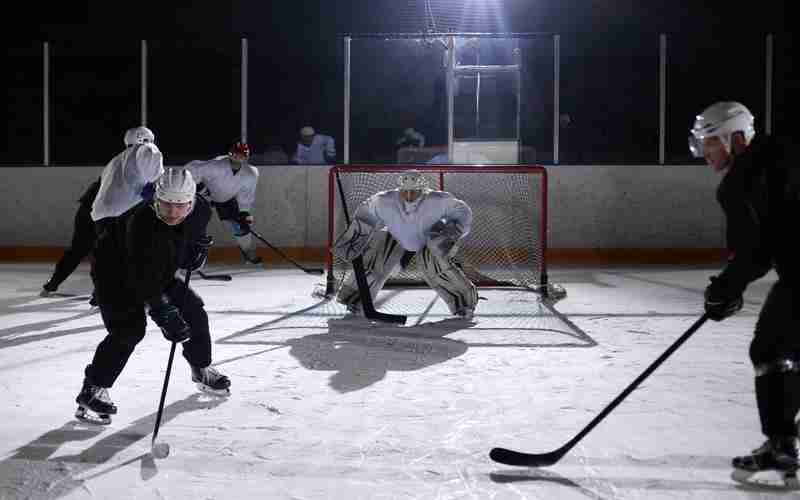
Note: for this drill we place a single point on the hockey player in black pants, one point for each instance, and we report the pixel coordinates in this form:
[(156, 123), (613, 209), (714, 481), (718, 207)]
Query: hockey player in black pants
[(83, 239), (760, 196), (136, 259)]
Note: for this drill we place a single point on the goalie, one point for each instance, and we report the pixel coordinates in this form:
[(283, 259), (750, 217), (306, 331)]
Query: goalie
[(391, 227)]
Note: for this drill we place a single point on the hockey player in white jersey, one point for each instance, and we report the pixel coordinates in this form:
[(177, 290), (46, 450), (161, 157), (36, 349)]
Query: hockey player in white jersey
[(229, 182), (391, 226), (129, 177)]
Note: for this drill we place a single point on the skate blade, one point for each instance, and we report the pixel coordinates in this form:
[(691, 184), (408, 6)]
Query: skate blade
[(88, 416), (220, 393), (771, 479)]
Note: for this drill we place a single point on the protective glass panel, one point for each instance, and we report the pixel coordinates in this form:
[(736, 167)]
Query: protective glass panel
[(95, 98), (502, 99), (22, 140), (194, 96)]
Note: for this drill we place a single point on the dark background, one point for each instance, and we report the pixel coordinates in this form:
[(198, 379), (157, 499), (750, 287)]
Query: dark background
[(609, 72)]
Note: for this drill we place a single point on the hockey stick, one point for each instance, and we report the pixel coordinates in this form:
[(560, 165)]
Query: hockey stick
[(308, 270), (361, 277), (161, 450), (215, 277), (511, 457)]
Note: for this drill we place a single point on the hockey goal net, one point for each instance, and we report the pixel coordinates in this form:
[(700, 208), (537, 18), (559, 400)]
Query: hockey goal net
[(507, 245)]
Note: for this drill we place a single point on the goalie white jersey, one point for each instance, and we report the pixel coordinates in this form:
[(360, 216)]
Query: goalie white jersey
[(124, 178), (223, 183), (412, 229)]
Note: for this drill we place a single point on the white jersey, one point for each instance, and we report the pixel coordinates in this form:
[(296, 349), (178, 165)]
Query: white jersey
[(411, 230), (322, 147), (224, 183), (124, 178)]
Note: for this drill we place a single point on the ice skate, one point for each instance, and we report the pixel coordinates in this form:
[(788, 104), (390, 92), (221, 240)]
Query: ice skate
[(47, 290), (774, 464), (251, 257), (210, 381), (94, 405)]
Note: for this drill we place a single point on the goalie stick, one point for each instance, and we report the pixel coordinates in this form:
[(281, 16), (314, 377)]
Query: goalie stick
[(309, 270), (361, 277), (511, 457), (215, 277)]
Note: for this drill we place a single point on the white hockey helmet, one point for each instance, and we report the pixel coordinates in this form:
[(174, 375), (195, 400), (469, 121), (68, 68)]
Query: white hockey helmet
[(139, 135), (176, 186), (412, 180), (412, 186), (721, 120), (307, 131)]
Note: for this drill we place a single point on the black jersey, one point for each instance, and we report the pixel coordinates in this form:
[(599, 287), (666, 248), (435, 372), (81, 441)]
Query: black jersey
[(760, 214), (137, 257)]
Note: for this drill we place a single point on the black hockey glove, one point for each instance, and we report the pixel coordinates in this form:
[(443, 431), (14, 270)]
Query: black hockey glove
[(198, 254), (244, 219), (720, 301), (169, 319)]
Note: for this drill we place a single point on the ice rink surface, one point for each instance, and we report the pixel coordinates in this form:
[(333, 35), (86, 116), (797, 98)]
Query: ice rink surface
[(325, 406)]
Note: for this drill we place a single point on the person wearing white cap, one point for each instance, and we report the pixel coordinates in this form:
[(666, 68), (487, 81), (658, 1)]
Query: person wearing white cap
[(314, 148), (411, 139)]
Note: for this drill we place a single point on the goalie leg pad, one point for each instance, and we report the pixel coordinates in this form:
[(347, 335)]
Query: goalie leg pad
[(447, 278), (441, 246), (381, 259), (354, 241)]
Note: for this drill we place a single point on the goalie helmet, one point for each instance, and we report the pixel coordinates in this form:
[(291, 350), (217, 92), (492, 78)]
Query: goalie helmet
[(175, 194), (139, 135), (721, 120), (412, 186), (413, 180)]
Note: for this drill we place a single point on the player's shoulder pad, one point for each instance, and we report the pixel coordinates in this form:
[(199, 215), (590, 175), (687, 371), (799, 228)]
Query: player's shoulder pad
[(439, 195)]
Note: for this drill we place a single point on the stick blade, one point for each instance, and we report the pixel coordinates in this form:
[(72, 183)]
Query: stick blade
[(394, 319), (511, 457), (314, 271)]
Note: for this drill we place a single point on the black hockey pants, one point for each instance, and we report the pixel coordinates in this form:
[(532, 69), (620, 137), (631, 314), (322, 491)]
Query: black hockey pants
[(775, 353), (83, 239), (126, 325)]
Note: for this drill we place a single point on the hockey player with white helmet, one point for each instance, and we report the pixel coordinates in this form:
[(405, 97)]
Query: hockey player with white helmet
[(712, 134), (126, 179), (229, 182), (136, 259), (392, 226), (759, 194)]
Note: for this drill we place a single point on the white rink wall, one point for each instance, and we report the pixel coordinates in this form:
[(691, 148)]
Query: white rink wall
[(591, 207)]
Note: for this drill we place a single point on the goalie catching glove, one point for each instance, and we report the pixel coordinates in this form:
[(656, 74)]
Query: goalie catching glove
[(443, 238), (353, 242)]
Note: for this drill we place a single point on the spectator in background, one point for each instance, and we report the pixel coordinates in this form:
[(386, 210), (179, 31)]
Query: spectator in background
[(314, 149), (411, 139)]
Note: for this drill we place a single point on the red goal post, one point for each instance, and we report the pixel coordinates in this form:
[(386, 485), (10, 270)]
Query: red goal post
[(507, 245)]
